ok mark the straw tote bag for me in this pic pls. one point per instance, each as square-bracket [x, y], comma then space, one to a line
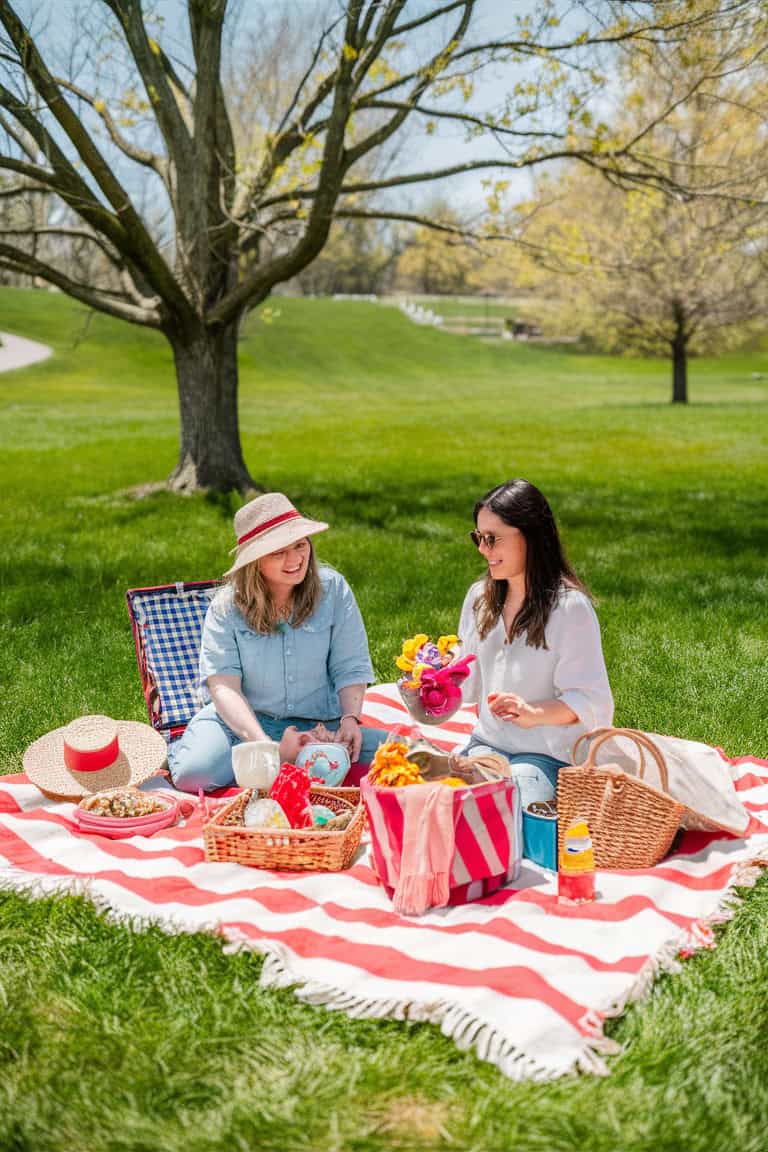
[632, 824]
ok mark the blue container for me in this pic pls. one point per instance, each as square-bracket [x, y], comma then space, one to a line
[540, 840]
[328, 762]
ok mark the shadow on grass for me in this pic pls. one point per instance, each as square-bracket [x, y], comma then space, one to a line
[673, 545]
[696, 402]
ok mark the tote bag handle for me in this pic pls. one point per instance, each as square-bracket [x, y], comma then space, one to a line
[600, 735]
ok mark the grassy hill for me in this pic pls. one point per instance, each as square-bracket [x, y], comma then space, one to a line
[390, 431]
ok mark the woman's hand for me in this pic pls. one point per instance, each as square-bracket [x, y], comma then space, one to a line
[319, 734]
[290, 743]
[514, 709]
[350, 736]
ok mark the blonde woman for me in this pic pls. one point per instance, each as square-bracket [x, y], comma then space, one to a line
[284, 654]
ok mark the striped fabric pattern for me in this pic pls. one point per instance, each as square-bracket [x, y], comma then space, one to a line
[488, 833]
[522, 980]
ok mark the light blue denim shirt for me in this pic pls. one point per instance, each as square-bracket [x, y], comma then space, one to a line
[293, 672]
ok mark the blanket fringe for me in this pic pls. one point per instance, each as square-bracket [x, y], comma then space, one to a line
[693, 939]
[40, 888]
[466, 1030]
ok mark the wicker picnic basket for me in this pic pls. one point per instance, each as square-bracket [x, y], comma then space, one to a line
[632, 824]
[228, 840]
[349, 793]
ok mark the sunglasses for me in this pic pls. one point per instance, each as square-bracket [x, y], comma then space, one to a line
[488, 538]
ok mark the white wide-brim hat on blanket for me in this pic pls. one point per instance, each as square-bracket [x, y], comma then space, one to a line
[94, 753]
[267, 524]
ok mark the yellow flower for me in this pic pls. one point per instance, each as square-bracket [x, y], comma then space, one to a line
[391, 768]
[407, 659]
[445, 643]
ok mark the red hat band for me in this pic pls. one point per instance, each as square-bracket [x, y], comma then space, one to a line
[265, 527]
[91, 759]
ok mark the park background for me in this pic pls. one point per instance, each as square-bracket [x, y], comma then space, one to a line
[390, 428]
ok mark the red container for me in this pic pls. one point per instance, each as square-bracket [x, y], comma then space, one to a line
[487, 836]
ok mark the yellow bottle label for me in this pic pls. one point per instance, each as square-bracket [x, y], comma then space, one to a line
[576, 854]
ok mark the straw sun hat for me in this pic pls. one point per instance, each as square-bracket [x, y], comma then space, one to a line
[91, 754]
[267, 524]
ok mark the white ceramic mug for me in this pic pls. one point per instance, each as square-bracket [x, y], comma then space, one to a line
[256, 763]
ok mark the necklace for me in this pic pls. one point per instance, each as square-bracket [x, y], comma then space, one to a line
[284, 611]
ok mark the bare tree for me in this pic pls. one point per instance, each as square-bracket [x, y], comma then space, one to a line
[681, 266]
[229, 219]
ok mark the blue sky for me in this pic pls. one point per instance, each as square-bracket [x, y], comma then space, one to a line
[446, 146]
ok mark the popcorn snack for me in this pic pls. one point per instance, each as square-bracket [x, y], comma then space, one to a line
[123, 803]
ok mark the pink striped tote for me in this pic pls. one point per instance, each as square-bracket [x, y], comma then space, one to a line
[487, 837]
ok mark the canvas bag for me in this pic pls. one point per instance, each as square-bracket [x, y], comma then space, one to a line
[697, 776]
[487, 836]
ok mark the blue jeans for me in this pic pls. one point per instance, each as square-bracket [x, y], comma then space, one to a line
[535, 773]
[202, 756]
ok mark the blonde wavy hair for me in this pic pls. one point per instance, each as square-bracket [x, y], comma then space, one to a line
[253, 598]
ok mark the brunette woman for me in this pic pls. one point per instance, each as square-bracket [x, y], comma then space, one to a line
[539, 677]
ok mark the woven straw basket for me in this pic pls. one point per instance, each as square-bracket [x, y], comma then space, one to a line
[345, 792]
[632, 824]
[228, 840]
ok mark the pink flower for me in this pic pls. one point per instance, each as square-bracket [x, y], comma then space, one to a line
[439, 691]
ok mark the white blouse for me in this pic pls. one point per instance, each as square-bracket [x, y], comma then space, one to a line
[571, 668]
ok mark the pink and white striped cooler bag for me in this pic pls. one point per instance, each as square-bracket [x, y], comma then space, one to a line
[488, 837]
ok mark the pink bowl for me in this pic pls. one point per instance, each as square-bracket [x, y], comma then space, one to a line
[119, 827]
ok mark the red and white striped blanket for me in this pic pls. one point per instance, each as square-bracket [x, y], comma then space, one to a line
[523, 980]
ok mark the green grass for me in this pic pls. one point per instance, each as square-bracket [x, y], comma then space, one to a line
[113, 1038]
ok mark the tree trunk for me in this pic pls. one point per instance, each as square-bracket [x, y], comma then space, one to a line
[680, 363]
[210, 454]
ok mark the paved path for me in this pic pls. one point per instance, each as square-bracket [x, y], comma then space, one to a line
[16, 352]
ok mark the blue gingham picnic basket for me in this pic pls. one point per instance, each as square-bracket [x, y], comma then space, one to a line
[167, 622]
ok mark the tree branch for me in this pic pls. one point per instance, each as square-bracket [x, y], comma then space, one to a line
[462, 117]
[291, 107]
[155, 71]
[439, 174]
[132, 151]
[140, 250]
[438, 62]
[71, 233]
[16, 260]
[427, 222]
[10, 191]
[419, 21]
[260, 282]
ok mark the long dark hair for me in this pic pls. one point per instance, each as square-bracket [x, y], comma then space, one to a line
[547, 571]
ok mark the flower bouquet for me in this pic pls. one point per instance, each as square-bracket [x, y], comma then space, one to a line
[402, 760]
[431, 686]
